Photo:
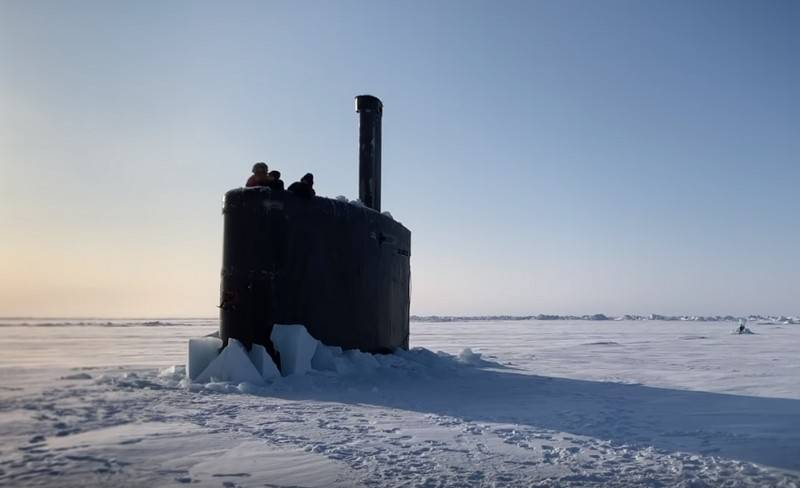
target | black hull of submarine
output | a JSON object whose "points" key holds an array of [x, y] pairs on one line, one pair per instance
{"points": [[342, 270]]}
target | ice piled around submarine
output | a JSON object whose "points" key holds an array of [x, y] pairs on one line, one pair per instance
{"points": [[202, 351], [263, 362], [301, 353], [232, 365], [295, 346]]}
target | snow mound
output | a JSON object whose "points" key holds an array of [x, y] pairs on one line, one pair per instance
{"points": [[295, 346], [232, 365]]}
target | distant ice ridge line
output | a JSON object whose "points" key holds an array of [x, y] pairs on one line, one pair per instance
{"points": [[762, 319], [33, 322], [208, 321]]}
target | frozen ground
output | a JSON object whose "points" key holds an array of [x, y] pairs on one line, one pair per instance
{"points": [[548, 404]]}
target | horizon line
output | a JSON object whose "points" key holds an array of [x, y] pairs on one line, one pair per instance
{"points": [[455, 316]]}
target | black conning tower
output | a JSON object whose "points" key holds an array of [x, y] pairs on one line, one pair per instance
{"points": [[338, 268], [370, 111]]}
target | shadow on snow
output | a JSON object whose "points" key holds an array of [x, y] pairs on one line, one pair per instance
{"points": [[756, 429]]}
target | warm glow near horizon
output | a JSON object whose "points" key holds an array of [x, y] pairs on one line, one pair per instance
{"points": [[547, 159]]}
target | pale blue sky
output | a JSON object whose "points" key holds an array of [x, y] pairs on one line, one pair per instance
{"points": [[549, 157]]}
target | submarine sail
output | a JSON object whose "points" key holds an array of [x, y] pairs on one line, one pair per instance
{"points": [[340, 269]]}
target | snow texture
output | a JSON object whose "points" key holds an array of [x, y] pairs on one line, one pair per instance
{"points": [[232, 365], [529, 403], [295, 346], [202, 352]]}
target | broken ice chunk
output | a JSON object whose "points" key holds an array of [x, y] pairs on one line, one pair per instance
{"points": [[263, 362], [201, 352], [363, 362], [295, 346], [323, 359], [233, 364], [467, 356]]}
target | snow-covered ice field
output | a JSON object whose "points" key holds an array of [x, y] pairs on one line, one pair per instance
{"points": [[547, 404]]}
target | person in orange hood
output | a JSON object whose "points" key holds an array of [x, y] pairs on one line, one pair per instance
{"points": [[260, 176]]}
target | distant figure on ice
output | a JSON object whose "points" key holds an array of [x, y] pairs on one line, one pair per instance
{"points": [[304, 187], [277, 182], [260, 176], [742, 329]]}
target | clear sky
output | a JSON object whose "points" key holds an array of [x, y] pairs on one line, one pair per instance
{"points": [[548, 156]]}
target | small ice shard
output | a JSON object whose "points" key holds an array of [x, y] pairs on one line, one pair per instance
{"points": [[175, 372], [466, 356], [295, 346], [263, 362], [233, 365], [202, 351]]}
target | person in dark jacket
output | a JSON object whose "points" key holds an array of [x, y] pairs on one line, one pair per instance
{"points": [[304, 187], [260, 176], [276, 183]]}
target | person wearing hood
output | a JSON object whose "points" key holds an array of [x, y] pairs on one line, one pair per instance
{"points": [[260, 176], [304, 187], [276, 183]]}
